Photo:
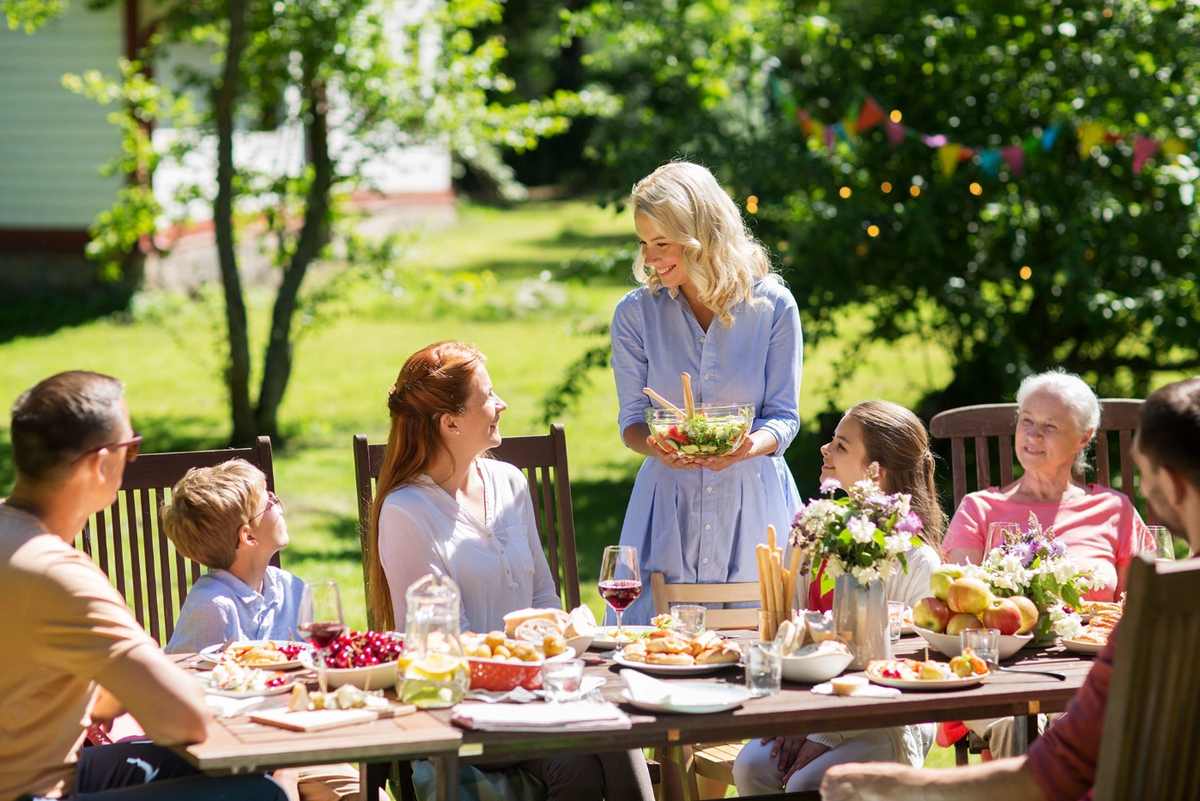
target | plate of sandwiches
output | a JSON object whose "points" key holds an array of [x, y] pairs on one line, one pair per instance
{"points": [[1090, 609], [274, 654], [669, 654], [1094, 636]]}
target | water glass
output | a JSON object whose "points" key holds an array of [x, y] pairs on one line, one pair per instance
{"points": [[764, 669], [895, 620], [562, 680], [984, 643], [689, 619], [1164, 545]]}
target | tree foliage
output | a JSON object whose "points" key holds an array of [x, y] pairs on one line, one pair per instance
{"points": [[351, 78], [1111, 288]]}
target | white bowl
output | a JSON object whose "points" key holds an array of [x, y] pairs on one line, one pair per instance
{"points": [[816, 668], [581, 644], [952, 645], [375, 677]]}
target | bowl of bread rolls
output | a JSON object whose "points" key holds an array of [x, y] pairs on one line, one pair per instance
{"points": [[503, 660], [810, 657]]}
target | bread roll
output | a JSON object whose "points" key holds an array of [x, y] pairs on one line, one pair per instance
{"points": [[654, 658], [519, 616], [723, 653], [580, 623], [537, 629], [704, 641], [668, 645]]}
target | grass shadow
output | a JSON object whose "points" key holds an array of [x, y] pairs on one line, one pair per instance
{"points": [[41, 316]]}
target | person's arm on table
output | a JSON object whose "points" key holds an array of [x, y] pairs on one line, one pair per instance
{"points": [[1001, 780], [168, 703]]}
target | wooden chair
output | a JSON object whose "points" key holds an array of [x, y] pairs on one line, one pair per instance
{"points": [[711, 761], [1152, 715], [997, 422], [128, 543], [543, 458]]}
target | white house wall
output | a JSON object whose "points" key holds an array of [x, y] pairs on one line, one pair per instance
{"points": [[52, 142]]}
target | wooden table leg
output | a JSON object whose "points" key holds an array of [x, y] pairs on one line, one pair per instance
{"points": [[372, 777], [446, 773]]}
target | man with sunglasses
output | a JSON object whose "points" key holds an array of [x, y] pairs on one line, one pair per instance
{"points": [[74, 654]]}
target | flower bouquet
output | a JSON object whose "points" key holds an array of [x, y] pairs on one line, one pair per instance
{"points": [[1034, 563], [861, 537]]}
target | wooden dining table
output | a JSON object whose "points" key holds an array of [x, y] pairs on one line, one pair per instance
{"points": [[239, 745]]}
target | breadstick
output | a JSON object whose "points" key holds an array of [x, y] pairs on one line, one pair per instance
{"points": [[666, 404], [689, 403], [763, 576], [777, 586], [766, 570], [793, 577], [771, 537]]}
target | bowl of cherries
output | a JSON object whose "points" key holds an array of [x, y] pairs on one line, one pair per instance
{"points": [[366, 659]]}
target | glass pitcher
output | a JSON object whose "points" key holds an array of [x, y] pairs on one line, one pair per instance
{"points": [[432, 671]]}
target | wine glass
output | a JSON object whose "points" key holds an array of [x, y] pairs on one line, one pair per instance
{"points": [[320, 619], [997, 533], [620, 579]]}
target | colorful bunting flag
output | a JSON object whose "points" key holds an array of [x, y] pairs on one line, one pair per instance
{"points": [[1015, 156], [1143, 148], [935, 140], [895, 132], [869, 116], [1090, 135], [948, 156], [1050, 136], [1174, 147], [989, 161]]}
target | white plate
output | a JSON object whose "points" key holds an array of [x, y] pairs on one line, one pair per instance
{"points": [[1081, 647], [280, 690], [603, 641], [696, 698], [926, 684], [213, 654], [670, 670]]}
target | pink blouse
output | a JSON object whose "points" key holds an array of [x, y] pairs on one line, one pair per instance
{"points": [[1102, 530]]}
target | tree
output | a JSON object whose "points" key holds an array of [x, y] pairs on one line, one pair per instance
{"points": [[1110, 289], [355, 82]]}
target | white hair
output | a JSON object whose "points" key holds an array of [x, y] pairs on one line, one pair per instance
{"points": [[1076, 394]]}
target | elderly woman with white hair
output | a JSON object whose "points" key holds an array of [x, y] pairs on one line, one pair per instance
{"points": [[1057, 418]]}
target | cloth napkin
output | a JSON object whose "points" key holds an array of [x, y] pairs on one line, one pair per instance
{"points": [[540, 717], [649, 690], [870, 691], [519, 695]]}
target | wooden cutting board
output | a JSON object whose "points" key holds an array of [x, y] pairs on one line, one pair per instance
{"points": [[322, 719]]}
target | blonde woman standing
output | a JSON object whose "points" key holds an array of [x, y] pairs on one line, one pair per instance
{"points": [[710, 306]]}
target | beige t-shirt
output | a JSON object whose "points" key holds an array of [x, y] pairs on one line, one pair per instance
{"points": [[64, 624]]}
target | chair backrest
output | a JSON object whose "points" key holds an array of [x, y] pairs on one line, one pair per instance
{"points": [[1152, 716], [665, 594], [128, 543], [543, 458], [998, 421]]}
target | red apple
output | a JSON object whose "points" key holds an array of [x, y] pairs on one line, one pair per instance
{"points": [[943, 576], [962, 622], [1002, 615], [932, 614], [969, 595], [1029, 613]]}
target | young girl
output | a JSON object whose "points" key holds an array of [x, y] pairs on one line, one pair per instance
{"points": [[893, 437]]}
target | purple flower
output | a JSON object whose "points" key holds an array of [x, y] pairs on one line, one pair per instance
{"points": [[909, 524], [1058, 548], [1023, 551], [830, 486]]}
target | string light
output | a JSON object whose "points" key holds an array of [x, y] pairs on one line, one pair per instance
{"points": [[844, 191], [752, 204], [1026, 273], [976, 189], [873, 230], [896, 116], [914, 190], [886, 187]]}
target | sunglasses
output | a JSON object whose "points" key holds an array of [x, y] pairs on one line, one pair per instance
{"points": [[133, 445], [272, 500]]}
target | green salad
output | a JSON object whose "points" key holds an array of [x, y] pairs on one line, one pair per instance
{"points": [[700, 435]]}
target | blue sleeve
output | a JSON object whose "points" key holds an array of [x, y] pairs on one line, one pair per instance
{"points": [[630, 363], [780, 412], [205, 619]]}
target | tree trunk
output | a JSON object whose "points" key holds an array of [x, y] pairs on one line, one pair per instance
{"points": [[277, 368], [237, 376]]}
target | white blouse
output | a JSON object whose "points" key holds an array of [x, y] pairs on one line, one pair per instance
{"points": [[498, 563]]}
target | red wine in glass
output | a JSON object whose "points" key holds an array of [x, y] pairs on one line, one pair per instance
{"points": [[620, 593], [620, 579], [321, 635]]}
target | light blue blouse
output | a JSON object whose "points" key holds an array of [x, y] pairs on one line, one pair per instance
{"points": [[220, 605], [701, 526]]}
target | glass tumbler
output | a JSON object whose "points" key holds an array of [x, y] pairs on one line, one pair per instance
{"points": [[690, 619], [764, 669], [984, 643], [562, 680], [895, 620]]}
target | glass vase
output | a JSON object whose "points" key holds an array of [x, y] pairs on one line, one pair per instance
{"points": [[860, 617]]}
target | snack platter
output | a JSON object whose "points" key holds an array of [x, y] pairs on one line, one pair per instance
{"points": [[274, 654], [911, 674], [605, 639], [234, 681], [667, 653]]}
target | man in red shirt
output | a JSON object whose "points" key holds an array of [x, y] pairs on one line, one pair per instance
{"points": [[1061, 766]]}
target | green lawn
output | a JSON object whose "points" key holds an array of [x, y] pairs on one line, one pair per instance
{"points": [[168, 352]]}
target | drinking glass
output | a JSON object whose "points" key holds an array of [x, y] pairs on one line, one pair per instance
{"points": [[320, 619], [562, 680], [997, 533], [895, 619], [690, 619], [620, 580], [764, 669], [1164, 545], [984, 643]]}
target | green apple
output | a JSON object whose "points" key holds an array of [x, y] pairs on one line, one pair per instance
{"points": [[943, 576]]}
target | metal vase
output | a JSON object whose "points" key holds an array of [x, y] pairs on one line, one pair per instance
{"points": [[860, 617]]}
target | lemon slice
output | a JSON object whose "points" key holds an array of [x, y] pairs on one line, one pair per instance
{"points": [[435, 667]]}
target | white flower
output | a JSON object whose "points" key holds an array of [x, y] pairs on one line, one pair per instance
{"points": [[1067, 626], [896, 543], [905, 504], [866, 575], [861, 530]]}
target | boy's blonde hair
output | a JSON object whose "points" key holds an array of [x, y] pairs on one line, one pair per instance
{"points": [[685, 204], [207, 508]]}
